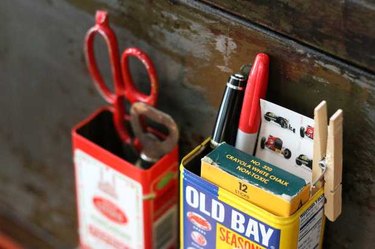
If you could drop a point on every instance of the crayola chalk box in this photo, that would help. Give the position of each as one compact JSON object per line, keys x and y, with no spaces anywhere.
{"x":259,"y":182}
{"x":212,"y":217}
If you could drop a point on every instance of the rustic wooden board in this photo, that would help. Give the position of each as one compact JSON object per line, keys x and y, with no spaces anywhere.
{"x":344,"y":29}
{"x":195,"y":48}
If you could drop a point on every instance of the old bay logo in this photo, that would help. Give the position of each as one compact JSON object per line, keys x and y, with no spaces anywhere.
{"x":239,"y":222}
{"x":110,"y":210}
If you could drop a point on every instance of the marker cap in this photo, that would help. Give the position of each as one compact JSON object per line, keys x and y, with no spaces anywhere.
{"x":256,"y":89}
{"x":237,"y":80}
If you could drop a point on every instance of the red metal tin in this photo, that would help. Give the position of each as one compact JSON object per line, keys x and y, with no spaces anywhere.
{"x":7,"y":242}
{"x":120,"y":205}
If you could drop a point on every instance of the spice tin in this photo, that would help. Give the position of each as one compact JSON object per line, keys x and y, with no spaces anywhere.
{"x":120,"y":205}
{"x":212,"y":217}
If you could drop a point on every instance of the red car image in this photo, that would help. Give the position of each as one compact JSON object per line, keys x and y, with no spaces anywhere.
{"x":308,"y":131}
{"x":275,"y":144}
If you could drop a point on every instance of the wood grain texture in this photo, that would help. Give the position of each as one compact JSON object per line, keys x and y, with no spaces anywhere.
{"x":195,"y":48}
{"x":320,"y":143}
{"x":344,"y":29}
{"x":333,"y":175}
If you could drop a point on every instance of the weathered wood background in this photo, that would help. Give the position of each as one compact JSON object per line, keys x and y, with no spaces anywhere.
{"x":318,"y":49}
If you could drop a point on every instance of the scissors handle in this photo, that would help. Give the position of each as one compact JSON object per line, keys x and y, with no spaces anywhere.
{"x":102,"y":28}
{"x":131,"y":91}
{"x":121,"y":75}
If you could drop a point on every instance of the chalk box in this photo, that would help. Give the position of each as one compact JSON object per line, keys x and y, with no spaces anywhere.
{"x":255,"y":180}
{"x":212,"y":217}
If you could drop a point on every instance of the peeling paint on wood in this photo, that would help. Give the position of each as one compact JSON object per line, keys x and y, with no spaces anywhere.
{"x":342,"y":28}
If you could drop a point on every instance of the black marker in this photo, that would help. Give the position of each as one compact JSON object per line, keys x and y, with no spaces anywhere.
{"x":229,"y":113}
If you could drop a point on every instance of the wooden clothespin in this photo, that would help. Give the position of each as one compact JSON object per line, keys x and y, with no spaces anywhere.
{"x":327,"y":159}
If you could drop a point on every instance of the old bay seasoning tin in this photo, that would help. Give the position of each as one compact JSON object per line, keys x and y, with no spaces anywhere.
{"x":212,"y":217}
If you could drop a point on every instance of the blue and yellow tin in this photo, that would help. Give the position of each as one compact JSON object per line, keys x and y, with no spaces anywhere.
{"x":212,"y":217}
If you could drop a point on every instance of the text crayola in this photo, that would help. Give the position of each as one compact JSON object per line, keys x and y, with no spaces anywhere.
{"x":256,"y":170}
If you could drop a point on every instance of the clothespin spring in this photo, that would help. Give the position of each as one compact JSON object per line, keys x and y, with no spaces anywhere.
{"x":323,"y":167}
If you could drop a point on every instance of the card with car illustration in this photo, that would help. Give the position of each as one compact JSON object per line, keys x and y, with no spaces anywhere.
{"x":286,"y":139}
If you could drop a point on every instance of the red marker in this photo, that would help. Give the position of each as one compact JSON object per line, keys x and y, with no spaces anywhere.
{"x":250,"y":114}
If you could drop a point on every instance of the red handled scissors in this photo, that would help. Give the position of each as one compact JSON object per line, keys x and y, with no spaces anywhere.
{"x":121,"y":75}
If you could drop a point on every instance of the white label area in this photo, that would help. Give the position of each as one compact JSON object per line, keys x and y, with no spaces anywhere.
{"x":109,"y":205}
{"x":285,"y":139}
{"x":310,"y":227}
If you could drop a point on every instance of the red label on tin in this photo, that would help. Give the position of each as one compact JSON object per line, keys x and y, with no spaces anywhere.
{"x":110,"y":210}
{"x":198,"y":238}
{"x":199,"y":221}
